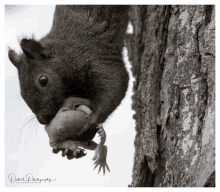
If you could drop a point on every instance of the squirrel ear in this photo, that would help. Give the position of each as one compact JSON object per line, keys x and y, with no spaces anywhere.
{"x":33,"y":49}
{"x":14,"y":57}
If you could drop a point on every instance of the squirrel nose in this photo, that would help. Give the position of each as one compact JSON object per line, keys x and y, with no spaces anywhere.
{"x":44,"y":119}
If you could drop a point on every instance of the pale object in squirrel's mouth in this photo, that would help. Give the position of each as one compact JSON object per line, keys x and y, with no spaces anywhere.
{"x":66,"y":123}
{"x":69,"y":120}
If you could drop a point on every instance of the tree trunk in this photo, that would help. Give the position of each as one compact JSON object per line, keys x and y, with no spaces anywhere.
{"x":172,"y":52}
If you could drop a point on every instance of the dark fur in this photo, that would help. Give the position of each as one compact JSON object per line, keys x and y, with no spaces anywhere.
{"x":81,"y":56}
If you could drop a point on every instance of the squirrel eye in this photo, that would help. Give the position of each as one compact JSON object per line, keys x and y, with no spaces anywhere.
{"x":43,"y":80}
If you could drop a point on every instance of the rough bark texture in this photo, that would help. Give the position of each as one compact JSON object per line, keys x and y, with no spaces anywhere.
{"x":172,"y":52}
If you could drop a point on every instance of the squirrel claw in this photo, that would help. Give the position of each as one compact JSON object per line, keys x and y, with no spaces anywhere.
{"x":78,"y":153}
{"x":71,"y":154}
{"x":56,"y":150}
{"x":65,"y":152}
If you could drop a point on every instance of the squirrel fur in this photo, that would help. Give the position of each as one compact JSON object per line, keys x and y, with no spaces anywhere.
{"x":81,"y":56}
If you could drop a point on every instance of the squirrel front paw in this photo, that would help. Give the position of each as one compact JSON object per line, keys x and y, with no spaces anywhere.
{"x":77,"y":153}
{"x":70,"y":149}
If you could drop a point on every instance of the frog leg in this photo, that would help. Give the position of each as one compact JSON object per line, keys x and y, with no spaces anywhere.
{"x":101,"y":160}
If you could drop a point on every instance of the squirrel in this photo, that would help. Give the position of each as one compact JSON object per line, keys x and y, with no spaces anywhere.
{"x":81,"y":56}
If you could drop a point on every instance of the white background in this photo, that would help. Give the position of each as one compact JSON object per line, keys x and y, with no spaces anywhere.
{"x":30,"y":152}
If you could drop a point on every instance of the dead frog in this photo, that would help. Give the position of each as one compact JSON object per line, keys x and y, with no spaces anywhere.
{"x":63,"y":132}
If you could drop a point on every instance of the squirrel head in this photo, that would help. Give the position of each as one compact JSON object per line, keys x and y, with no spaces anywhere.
{"x":41,"y":79}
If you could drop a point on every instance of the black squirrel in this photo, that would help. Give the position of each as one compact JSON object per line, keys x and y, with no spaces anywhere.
{"x":81,"y":56}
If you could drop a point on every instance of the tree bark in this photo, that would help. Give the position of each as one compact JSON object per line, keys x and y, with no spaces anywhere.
{"x":172,"y":53}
